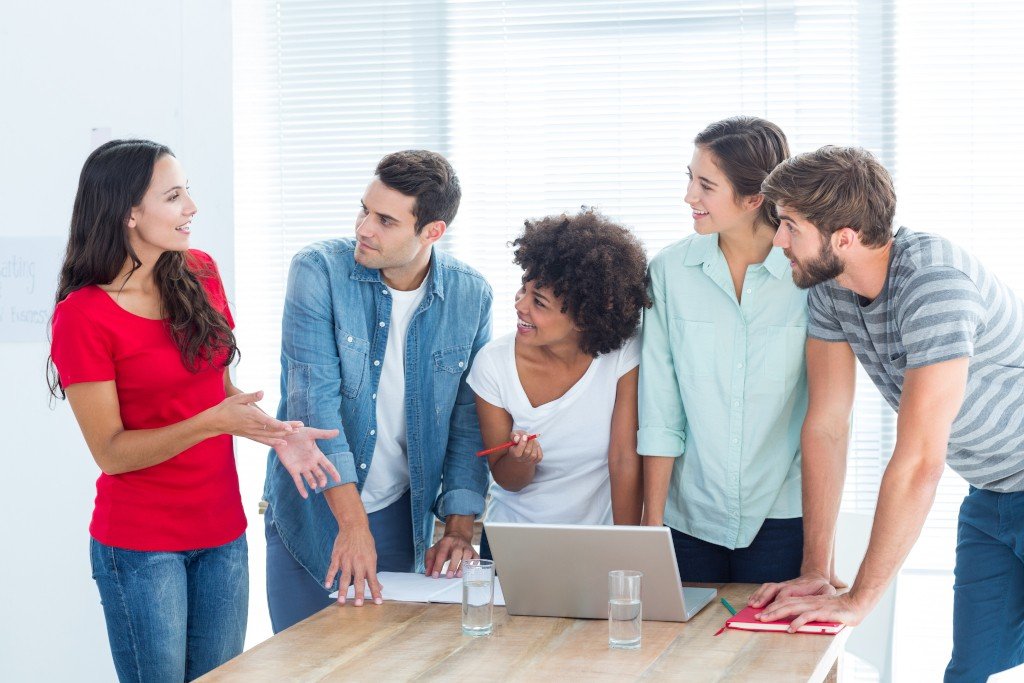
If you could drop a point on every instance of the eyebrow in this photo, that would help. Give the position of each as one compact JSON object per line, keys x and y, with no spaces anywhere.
{"x":705,"y":179}
{"x":785,"y":217}
{"x":382,"y":215}
{"x":176,"y":187}
{"x":537,"y":294}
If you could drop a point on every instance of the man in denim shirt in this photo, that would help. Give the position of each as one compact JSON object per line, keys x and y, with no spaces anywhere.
{"x":377,"y":338}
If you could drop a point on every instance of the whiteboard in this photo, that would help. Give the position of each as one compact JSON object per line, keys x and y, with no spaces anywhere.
{"x":28,"y":282}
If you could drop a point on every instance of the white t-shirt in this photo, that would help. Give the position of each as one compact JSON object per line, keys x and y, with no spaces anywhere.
{"x":571,"y":484}
{"x":388,"y":477}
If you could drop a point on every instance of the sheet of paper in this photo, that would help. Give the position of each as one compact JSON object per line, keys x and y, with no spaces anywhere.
{"x":420,"y":588}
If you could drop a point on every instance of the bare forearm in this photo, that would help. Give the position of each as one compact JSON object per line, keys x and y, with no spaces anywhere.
{"x":511,"y":475}
{"x":657,"y":473}
{"x":459,"y":525}
{"x":347,"y":506}
{"x":136,"y":449}
{"x":904,"y":499}
{"x":823,"y":476}
{"x":626,"y":476}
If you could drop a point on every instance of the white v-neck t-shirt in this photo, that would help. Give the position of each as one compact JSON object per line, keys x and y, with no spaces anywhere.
{"x":571,"y":484}
{"x":388,"y":478}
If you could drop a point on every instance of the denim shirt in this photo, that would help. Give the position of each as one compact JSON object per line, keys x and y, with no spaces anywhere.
{"x":334,"y":332}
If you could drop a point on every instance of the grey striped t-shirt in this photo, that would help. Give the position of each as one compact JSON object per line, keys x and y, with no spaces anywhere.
{"x":940,"y":303}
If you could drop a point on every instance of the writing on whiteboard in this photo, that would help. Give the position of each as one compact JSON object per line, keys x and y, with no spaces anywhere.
{"x":28,"y":280}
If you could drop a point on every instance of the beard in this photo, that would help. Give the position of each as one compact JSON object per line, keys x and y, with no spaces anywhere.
{"x":826,"y":267}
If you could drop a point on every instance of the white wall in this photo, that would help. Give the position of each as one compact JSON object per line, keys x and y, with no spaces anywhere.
{"x":159,"y":69}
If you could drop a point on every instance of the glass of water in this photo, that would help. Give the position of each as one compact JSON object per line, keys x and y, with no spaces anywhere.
{"x":477,"y":597}
{"x":625,"y":613}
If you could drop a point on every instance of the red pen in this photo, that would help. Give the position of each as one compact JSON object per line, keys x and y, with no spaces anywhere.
{"x":503,"y":446}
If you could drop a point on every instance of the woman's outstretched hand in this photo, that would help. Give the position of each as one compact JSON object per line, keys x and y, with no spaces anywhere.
{"x":239,"y":415}
{"x":305,"y":461}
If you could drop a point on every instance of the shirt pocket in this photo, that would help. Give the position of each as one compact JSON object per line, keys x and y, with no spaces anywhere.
{"x":449,"y":364}
{"x":693,"y":347}
{"x":355,"y":361}
{"x":784,"y":353}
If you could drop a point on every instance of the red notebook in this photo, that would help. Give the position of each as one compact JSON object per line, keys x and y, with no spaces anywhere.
{"x":745,"y":620}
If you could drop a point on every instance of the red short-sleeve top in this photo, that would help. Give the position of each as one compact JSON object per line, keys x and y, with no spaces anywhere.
{"x":192,"y":500}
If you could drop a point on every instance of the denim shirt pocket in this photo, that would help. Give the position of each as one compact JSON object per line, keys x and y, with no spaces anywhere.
{"x":354,"y":354}
{"x":449,"y":365}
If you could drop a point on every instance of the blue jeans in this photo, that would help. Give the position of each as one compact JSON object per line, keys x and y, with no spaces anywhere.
{"x":172,"y":616}
{"x":774,"y":555}
{"x":988,"y":590}
{"x":294,"y":594}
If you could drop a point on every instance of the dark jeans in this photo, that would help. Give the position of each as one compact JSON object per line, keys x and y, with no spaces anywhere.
{"x":988,"y":586}
{"x":774,"y":555}
{"x":294,"y":594}
{"x":172,"y":616}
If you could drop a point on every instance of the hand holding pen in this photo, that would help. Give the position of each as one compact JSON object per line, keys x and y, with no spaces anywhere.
{"x":522,"y":447}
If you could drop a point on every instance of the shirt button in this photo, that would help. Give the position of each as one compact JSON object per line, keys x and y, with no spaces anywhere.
{"x":372,"y":432}
{"x":374,"y":397}
{"x":739,"y":365}
{"x":377,"y":362}
{"x":461,"y":364}
{"x":749,"y":291}
{"x":362,"y":466}
{"x":736,"y":403}
{"x":381,"y":323}
{"x":384,"y":292}
{"x":735,"y":440}
{"x":350,"y":340}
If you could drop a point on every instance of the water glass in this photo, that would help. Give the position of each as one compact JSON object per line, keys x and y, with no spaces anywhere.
{"x":477,"y":597}
{"x":625,"y":612}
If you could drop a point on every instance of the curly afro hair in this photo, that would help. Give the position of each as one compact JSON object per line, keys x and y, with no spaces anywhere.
{"x":598,"y":268}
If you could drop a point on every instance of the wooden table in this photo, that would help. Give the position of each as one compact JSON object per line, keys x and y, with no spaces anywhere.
{"x":403,"y":641}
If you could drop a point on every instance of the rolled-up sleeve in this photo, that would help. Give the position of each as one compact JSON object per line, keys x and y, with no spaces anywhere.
{"x":464,"y":475}
{"x":310,"y":356}
{"x":662,"y":418}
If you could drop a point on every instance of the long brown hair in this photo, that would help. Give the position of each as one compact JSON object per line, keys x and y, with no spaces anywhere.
{"x":114,"y":179}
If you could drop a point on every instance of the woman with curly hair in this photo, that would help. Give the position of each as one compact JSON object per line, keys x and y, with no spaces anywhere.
{"x":142,"y":339}
{"x":568,"y":373}
{"x":723,"y":386}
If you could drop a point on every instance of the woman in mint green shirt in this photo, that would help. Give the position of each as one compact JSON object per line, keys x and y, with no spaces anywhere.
{"x":723,"y":387}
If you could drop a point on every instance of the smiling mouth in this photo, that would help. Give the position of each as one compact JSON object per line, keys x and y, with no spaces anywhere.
{"x":187,"y":228}
{"x":525,"y":325}
{"x":699,"y":214}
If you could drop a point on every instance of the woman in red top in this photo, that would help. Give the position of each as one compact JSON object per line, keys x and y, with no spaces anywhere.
{"x":141,"y":345}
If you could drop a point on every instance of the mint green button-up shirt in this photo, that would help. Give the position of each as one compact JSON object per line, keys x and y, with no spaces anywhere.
{"x":723,"y":389}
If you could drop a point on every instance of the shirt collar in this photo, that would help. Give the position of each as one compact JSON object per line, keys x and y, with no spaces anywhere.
{"x":705,"y":251}
{"x":777,"y":264}
{"x":435,"y":275}
{"x":702,"y":251}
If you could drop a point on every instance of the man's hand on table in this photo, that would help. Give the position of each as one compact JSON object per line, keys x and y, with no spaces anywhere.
{"x":355,"y":556}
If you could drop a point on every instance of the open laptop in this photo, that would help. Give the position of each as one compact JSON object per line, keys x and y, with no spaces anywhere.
{"x":561,"y":570}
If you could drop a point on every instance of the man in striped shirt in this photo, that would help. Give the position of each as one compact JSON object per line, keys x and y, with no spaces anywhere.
{"x":943,"y":340}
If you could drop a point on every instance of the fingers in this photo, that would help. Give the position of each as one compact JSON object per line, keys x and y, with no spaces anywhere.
{"x":246,"y":398}
{"x":359,"y":586}
{"x":330,"y":470}
{"x":332,"y":571}
{"x":455,"y":564}
{"x":343,"y":584}
{"x":764,"y":595}
{"x":299,"y":485}
{"x":429,"y":560}
{"x":307,"y":476}
{"x":321,"y":433}
{"x":376,"y":589}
